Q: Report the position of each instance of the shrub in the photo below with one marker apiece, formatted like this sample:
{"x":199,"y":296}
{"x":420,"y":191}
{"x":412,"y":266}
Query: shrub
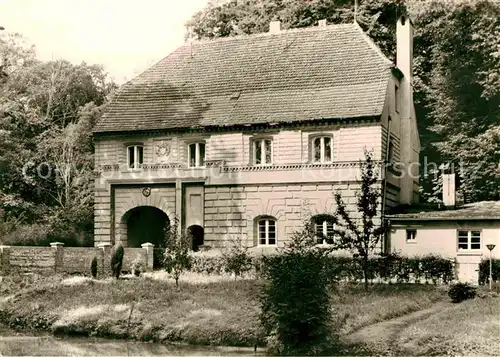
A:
{"x":392,"y":267}
{"x":93,"y":267}
{"x":211,"y":262}
{"x":484,"y":270}
{"x":117,"y":260}
{"x":28,"y":234}
{"x":137,"y":266}
{"x":461,"y":291}
{"x":236,"y":259}
{"x":295,"y":300}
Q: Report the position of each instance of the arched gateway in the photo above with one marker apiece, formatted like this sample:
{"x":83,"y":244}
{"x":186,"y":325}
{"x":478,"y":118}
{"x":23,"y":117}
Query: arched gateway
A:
{"x":144,"y":224}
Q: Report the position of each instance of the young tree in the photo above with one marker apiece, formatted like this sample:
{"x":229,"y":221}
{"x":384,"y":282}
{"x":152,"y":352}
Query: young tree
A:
{"x":177,"y":257}
{"x":361,"y":234}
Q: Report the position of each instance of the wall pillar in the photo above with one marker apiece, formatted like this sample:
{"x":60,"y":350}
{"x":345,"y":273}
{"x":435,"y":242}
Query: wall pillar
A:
{"x":4,"y":260}
{"x":105,"y":255}
{"x":178,"y":204}
{"x":59,"y":252}
{"x":148,"y":247}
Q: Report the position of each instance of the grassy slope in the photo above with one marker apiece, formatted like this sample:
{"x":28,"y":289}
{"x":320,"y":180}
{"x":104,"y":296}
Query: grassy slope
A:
{"x":219,"y":313}
{"x":469,"y":328}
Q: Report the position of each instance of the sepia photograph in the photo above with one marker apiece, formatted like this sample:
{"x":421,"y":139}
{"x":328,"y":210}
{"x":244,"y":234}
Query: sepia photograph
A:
{"x":250,"y":178}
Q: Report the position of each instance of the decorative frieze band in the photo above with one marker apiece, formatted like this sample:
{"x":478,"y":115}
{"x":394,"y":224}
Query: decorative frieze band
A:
{"x":221,"y":165}
{"x":287,"y":167}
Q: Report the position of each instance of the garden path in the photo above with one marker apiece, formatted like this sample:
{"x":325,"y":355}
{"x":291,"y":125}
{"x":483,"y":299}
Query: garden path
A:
{"x":388,"y":337}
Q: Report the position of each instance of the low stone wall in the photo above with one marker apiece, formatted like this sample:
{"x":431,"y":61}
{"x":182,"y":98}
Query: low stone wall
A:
{"x":78,"y":260}
{"x":58,"y":259}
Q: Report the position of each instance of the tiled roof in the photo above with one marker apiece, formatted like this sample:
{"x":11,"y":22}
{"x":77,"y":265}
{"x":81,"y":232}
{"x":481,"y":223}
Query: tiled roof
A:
{"x":296,"y":75}
{"x":485,"y":210}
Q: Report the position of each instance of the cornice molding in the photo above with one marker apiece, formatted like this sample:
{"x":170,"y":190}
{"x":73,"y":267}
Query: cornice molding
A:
{"x":242,"y":128}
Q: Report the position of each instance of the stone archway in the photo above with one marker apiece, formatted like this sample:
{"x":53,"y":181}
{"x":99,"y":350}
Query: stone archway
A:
{"x":144,"y":224}
{"x":196,"y":234}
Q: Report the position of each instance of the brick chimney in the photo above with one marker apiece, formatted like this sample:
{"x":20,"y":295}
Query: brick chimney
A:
{"x":404,"y":61}
{"x":410,"y":144}
{"x":275,"y":27}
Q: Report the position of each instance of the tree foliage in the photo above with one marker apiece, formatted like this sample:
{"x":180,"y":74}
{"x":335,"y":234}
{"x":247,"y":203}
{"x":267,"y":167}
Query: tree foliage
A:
{"x":47,"y":112}
{"x":456,"y":71}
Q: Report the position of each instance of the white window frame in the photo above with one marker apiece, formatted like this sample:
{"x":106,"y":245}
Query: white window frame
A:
{"x":411,"y":235}
{"x":197,"y":158}
{"x":322,"y":149}
{"x":137,"y":164}
{"x":262,"y":143}
{"x":324,"y":229}
{"x":266,"y":231}
{"x":469,"y":240}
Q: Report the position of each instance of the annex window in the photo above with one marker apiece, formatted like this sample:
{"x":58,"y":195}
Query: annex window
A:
{"x":411,"y":235}
{"x":196,"y":154}
{"x":397,"y":100}
{"x":390,"y":152}
{"x":262,"y":151}
{"x":322,"y":151}
{"x":324,"y":226}
{"x":267,"y":231}
{"x":469,"y":240}
{"x":135,"y":156}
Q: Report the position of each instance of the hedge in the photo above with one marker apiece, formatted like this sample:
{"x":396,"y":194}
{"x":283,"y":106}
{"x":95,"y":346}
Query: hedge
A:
{"x":484,"y":270}
{"x":394,"y":268}
{"x":390,"y":268}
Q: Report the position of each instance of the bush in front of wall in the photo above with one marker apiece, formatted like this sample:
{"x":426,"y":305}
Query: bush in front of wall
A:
{"x":117,"y":261}
{"x":236,"y":258}
{"x":461,"y":291}
{"x":93,"y":268}
{"x":484,"y":271}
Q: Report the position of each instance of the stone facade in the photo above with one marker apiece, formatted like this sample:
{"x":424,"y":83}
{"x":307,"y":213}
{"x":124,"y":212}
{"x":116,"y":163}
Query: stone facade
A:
{"x":228,"y":194}
{"x":366,"y":106}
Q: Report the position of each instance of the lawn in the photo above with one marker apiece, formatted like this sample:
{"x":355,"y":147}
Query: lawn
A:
{"x":394,"y":319}
{"x":206,"y":310}
{"x":470,"y":328}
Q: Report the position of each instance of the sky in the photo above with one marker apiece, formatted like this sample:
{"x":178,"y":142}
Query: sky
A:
{"x":125,"y":36}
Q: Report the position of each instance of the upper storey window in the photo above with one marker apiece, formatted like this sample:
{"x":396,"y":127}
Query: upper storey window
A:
{"x":135,"y":156}
{"x":322,"y":151}
{"x":262,"y":152}
{"x":196,"y":154}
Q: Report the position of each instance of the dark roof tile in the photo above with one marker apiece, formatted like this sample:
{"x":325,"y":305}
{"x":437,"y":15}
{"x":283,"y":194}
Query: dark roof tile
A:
{"x":306,"y":74}
{"x":485,"y":210}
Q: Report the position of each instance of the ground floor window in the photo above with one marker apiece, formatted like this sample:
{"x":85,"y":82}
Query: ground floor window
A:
{"x":469,"y":240}
{"x":324,"y":227}
{"x":267,"y":231}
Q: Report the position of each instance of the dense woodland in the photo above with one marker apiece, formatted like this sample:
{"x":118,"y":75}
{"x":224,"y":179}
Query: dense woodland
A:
{"x":47,"y":109}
